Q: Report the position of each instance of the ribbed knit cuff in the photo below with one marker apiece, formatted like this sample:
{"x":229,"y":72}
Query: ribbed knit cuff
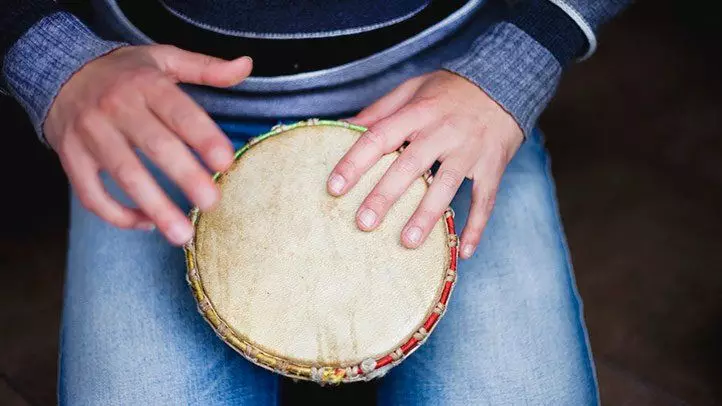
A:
{"x":513,"y":69}
{"x":45,"y":57}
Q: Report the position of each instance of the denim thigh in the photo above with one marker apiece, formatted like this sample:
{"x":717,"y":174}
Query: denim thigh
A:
{"x":513,"y":333}
{"x":130,"y":332}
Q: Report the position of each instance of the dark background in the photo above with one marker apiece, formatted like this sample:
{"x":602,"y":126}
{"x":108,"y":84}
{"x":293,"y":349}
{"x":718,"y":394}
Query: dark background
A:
{"x":636,"y":138}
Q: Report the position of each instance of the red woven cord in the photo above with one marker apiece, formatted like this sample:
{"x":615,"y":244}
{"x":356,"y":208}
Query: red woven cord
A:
{"x":384,"y":361}
{"x":431,"y":321}
{"x":445,"y":293}
{"x":409,"y":345}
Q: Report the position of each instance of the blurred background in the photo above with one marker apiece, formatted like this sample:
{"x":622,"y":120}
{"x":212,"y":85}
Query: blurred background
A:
{"x":636,"y":140}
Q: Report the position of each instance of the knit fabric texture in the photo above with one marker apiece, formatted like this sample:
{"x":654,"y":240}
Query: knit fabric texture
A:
{"x":514,"y":70}
{"x":517,"y":62}
{"x":45,"y":57}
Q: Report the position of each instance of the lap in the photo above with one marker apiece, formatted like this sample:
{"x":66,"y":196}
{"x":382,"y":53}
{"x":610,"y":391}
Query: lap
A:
{"x":513,"y":332}
{"x":130,"y":331}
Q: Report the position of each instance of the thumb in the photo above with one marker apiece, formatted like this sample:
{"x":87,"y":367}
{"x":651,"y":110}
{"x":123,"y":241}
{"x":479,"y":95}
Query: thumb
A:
{"x":200,"y":69}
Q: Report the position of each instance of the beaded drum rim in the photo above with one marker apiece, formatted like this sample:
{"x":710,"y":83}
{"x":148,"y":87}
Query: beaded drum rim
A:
{"x":366,"y":370}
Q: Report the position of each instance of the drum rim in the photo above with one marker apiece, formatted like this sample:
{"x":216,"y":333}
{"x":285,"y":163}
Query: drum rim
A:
{"x":368,"y":369}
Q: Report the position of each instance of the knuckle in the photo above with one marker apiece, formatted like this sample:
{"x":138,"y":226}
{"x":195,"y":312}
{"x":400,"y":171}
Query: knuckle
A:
{"x":119,"y":221}
{"x":87,"y":200}
{"x":480,"y":123}
{"x":64,"y":146}
{"x":188,"y":172}
{"x":499,"y":149}
{"x":472,"y":233}
{"x":490,"y":202}
{"x":165,"y":214}
{"x":128,"y":175}
{"x":181,"y":118}
{"x":112,"y":102}
{"x":141,"y":76}
{"x":425,"y":216}
{"x":162,"y":94}
{"x":86,"y":121}
{"x":377,"y":199}
{"x":207,"y":60}
{"x":449,"y":179}
{"x":374,"y":137}
{"x":486,"y":202}
{"x":165,"y":48}
{"x":345,"y":167}
{"x":205,"y":143}
{"x":504,"y":157}
{"x":157,"y":145}
{"x":407,"y":164}
{"x":195,"y":179}
{"x":424,"y":104}
{"x":451,"y":123}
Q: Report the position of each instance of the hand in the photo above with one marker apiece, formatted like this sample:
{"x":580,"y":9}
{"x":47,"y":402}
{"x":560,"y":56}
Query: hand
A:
{"x":444,"y":118}
{"x":129,"y":99}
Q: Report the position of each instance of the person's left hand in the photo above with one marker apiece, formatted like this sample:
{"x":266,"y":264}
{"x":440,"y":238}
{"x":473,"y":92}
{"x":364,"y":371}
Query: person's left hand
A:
{"x":444,"y":118}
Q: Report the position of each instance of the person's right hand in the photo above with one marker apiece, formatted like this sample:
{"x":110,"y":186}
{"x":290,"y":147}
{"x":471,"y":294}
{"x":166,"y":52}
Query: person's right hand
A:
{"x":129,"y":99}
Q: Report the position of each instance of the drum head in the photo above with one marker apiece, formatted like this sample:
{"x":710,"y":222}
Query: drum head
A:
{"x":284,"y":276}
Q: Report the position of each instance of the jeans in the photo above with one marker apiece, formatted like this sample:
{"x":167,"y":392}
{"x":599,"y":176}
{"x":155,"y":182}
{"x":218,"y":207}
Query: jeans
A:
{"x":513,"y":334}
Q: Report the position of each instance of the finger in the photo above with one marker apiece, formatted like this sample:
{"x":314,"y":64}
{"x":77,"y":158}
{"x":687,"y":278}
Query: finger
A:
{"x":172,"y":157}
{"x":82,"y":171}
{"x":388,"y":104}
{"x":382,"y":138}
{"x":200,"y":69}
{"x":483,"y":195}
{"x":409,"y":166}
{"x":186,"y":118}
{"x":113,"y":153}
{"x":435,"y":202}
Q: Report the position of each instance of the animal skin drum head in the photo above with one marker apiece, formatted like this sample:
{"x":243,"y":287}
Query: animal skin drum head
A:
{"x":284,"y":276}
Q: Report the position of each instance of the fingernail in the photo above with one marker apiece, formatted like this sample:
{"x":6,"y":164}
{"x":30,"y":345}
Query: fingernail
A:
{"x":413,"y":235}
{"x":207,"y":198}
{"x":180,"y":233}
{"x":145,"y":226}
{"x":367,"y":218}
{"x":336,"y":183}
{"x":467,"y":251}
{"x":248,"y":58}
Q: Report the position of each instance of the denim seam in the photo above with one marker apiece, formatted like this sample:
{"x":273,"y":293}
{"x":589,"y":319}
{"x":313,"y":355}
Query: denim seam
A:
{"x":319,"y":34}
{"x":551,"y":190}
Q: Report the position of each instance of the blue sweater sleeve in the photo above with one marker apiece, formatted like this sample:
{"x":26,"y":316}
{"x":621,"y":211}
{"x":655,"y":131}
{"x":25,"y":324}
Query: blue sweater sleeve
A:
{"x":45,"y":57}
{"x":519,"y":61}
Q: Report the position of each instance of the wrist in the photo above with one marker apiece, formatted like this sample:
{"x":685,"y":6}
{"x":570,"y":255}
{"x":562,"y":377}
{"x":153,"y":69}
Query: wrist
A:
{"x":45,"y":57}
{"x":514,"y":70}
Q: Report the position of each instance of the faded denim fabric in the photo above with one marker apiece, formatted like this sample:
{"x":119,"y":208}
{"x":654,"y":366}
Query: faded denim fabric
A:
{"x":513,"y":333}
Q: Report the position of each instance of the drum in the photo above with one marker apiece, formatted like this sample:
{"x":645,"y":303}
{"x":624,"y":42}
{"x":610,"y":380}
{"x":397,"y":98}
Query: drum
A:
{"x":284,"y":276}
